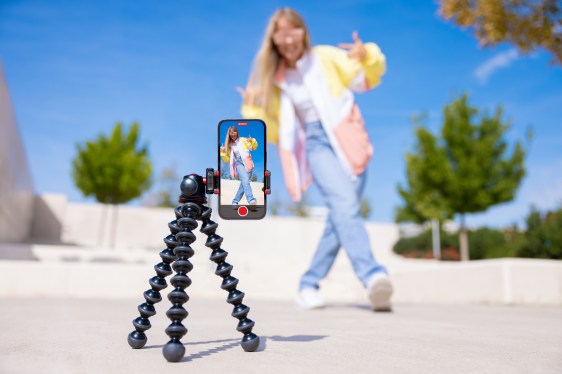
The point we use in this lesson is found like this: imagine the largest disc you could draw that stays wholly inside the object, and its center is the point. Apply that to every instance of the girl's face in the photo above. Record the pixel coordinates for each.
(233, 134)
(289, 41)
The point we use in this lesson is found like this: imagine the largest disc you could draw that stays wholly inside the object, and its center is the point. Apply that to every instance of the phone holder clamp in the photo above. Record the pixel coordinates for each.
(212, 182)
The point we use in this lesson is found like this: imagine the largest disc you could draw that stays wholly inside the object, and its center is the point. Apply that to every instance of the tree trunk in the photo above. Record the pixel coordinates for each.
(103, 220)
(114, 217)
(436, 239)
(464, 241)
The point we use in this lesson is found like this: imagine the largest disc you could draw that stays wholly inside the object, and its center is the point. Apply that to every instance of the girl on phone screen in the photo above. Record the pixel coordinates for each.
(236, 152)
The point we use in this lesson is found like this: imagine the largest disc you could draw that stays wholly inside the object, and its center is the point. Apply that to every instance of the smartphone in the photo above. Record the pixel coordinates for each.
(242, 169)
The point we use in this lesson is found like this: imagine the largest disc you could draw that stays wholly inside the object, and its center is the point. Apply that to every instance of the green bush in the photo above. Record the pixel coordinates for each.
(421, 246)
(419, 243)
(543, 238)
(483, 243)
(489, 243)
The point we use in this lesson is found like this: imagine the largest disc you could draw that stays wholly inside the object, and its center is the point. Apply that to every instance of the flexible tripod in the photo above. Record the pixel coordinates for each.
(176, 256)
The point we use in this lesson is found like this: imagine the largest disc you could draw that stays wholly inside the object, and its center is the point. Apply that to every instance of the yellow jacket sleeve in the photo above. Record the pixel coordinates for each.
(374, 64)
(251, 144)
(271, 121)
(225, 157)
(346, 69)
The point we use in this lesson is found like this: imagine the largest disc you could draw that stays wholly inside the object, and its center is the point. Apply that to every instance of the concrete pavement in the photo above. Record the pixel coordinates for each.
(230, 187)
(90, 336)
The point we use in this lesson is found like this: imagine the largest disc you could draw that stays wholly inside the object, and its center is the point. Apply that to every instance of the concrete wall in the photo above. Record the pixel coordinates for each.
(16, 187)
(274, 276)
(130, 228)
(269, 256)
(49, 218)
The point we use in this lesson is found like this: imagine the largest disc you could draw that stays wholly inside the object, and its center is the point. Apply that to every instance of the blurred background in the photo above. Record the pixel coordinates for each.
(83, 84)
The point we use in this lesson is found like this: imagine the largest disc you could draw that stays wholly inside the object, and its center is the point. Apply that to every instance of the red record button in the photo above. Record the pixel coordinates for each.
(242, 211)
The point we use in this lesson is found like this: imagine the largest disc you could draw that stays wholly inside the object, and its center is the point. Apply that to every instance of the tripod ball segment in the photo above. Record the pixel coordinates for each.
(250, 342)
(173, 351)
(136, 339)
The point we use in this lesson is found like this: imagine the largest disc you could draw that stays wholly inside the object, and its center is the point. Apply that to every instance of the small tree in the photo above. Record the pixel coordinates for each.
(113, 169)
(365, 208)
(526, 24)
(422, 202)
(274, 207)
(543, 237)
(167, 195)
(299, 208)
(464, 171)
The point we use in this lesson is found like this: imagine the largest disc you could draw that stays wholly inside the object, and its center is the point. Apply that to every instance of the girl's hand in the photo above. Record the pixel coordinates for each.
(249, 95)
(222, 149)
(356, 50)
(249, 143)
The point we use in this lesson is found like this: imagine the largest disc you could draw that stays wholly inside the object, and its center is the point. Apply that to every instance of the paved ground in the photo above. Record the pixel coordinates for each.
(90, 336)
(230, 187)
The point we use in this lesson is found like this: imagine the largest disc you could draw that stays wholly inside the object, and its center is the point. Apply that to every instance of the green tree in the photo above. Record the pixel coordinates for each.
(167, 195)
(422, 202)
(543, 237)
(365, 208)
(408, 212)
(465, 170)
(114, 169)
(299, 208)
(527, 24)
(274, 207)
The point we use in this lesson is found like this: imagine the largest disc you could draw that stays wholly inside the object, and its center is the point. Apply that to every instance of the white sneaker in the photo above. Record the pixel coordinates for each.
(253, 202)
(309, 298)
(379, 290)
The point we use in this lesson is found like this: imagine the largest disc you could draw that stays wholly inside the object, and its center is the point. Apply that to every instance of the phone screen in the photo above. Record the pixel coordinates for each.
(242, 164)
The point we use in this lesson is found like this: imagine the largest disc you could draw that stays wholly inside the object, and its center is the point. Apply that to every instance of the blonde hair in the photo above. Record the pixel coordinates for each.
(227, 141)
(268, 59)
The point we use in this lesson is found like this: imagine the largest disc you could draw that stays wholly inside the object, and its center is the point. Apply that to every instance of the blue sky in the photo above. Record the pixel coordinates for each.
(255, 130)
(76, 68)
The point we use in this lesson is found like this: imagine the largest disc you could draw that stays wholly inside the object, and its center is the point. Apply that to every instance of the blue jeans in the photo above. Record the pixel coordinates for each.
(344, 225)
(244, 182)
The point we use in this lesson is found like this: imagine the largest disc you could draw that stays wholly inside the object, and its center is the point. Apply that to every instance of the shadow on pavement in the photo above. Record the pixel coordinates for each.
(365, 307)
(231, 343)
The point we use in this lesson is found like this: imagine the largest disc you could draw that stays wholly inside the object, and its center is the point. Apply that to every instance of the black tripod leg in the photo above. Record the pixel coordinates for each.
(174, 350)
(250, 341)
(137, 339)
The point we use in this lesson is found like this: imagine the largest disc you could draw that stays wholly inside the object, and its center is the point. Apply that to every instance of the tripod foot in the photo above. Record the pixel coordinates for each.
(173, 351)
(136, 339)
(250, 342)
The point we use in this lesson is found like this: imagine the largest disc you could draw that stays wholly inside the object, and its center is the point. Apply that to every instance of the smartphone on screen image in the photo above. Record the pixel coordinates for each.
(242, 164)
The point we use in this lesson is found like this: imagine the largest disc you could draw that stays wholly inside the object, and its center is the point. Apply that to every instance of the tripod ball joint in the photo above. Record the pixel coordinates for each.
(192, 189)
(188, 185)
